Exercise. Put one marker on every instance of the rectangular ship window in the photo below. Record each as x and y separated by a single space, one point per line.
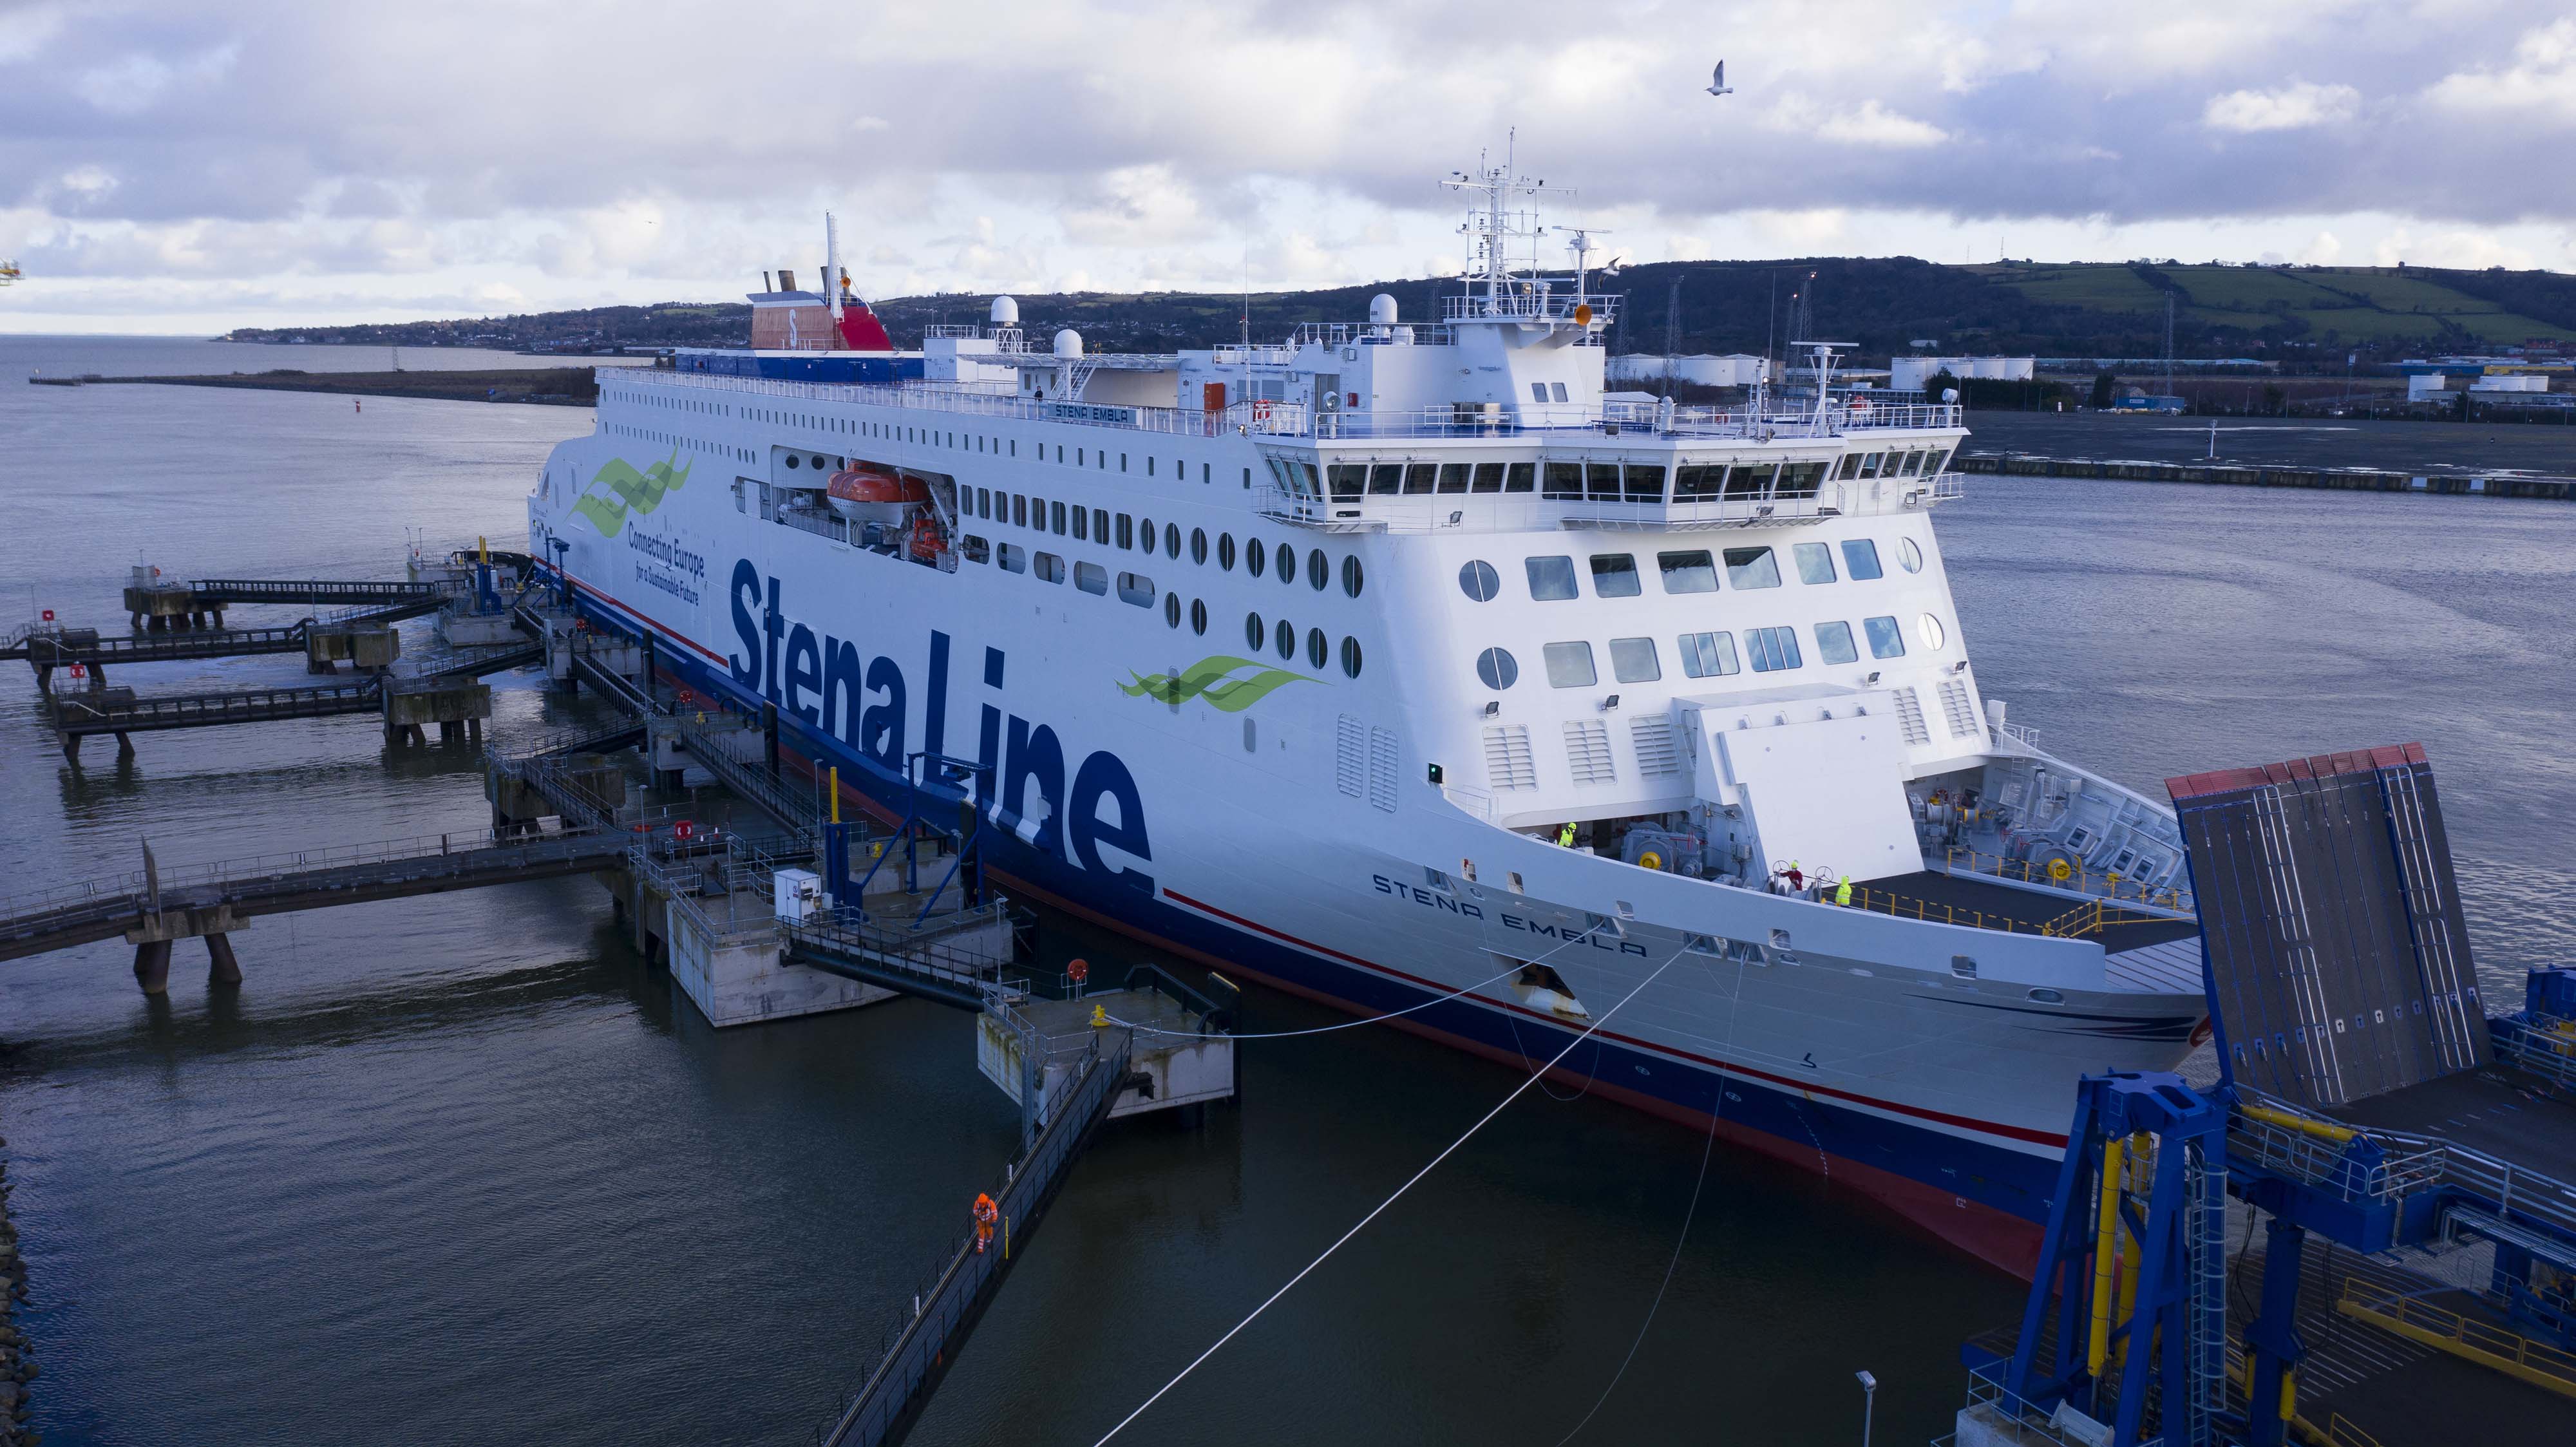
1013 558
1082 525
1773 649
1860 558
1614 575
1569 665
1691 572
1489 477
1050 568
1815 562
1752 568
1057 514
1091 577
1834 643
1551 580
1709 655
1520 477
1632 660
1564 479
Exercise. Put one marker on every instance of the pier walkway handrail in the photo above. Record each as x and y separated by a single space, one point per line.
78 713
2381 1167
927 1338
302 879
906 959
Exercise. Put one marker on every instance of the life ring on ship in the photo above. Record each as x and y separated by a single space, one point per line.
1650 860
1260 411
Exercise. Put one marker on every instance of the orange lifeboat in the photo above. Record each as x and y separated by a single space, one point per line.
869 494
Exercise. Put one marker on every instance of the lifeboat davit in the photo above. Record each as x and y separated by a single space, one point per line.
868 494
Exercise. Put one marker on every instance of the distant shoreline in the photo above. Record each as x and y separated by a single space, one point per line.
545 387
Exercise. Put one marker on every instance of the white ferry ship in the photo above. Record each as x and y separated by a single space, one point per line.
1394 656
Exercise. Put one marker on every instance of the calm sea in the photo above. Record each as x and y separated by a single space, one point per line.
463 1170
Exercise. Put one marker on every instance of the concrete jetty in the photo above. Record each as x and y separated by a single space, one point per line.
2338 479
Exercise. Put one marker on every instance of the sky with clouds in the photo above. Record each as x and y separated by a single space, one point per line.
185 167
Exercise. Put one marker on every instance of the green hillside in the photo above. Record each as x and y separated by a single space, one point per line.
2299 316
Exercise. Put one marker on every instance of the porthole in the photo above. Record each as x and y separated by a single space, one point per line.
1255 556
816 464
1285 636
2048 997
1319 570
1254 634
1319 650
1497 669
1478 580
1351 578
1145 535
1351 657
794 461
1198 546
1908 556
1172 540
1198 616
1172 609
1287 564
1928 628
1225 552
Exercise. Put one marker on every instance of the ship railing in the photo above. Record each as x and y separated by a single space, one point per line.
1529 300
1521 512
1291 419
1368 334
2079 880
2085 921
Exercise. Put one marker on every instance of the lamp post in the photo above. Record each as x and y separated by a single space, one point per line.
1868 1403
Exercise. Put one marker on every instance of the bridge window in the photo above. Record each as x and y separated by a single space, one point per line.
1520 477
1347 480
1551 580
1564 479
1690 572
1478 580
1420 476
1614 575
1834 643
1489 477
1645 483
1453 477
1932 461
1050 568
1860 558
1752 568
1774 649
1748 482
1601 481
1632 660
1886 639
1138 589
1709 655
1815 562
1569 665
1386 479
1913 462
1091 577
1497 669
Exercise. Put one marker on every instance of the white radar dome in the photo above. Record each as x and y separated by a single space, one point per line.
1006 312
1382 310
1068 343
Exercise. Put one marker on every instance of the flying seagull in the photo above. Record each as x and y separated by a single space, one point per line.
1717 82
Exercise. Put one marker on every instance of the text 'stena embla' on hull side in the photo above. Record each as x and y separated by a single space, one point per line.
1301 657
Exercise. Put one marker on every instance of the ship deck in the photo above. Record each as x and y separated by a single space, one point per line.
1966 899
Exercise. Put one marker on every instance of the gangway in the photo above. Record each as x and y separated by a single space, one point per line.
2363 1098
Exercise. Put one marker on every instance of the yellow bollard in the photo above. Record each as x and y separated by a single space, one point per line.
1099 1017
2105 1235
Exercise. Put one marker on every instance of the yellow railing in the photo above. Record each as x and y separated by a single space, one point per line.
2465 1337
2081 922
2077 878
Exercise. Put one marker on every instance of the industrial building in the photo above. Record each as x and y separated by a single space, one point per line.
1701 370
1909 374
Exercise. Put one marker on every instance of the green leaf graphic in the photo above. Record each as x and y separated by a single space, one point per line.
1209 680
618 490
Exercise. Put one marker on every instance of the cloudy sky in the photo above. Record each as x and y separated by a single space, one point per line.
192 167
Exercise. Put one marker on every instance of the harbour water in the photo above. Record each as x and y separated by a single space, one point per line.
465 1170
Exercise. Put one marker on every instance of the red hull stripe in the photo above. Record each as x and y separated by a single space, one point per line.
2014 1132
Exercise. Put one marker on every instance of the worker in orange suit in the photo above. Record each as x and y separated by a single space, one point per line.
986 1213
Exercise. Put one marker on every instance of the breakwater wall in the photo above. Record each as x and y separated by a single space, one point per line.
2342 479
17 1371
